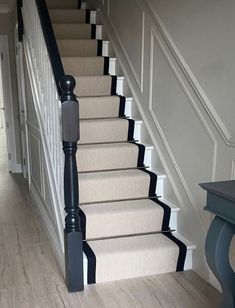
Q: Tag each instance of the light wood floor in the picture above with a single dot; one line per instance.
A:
(30, 276)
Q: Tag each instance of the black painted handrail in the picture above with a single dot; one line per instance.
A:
(51, 43)
(20, 21)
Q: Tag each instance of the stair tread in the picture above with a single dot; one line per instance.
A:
(107, 156)
(132, 244)
(84, 66)
(126, 173)
(78, 47)
(113, 185)
(72, 31)
(67, 16)
(63, 4)
(101, 106)
(134, 256)
(103, 130)
(93, 85)
(122, 218)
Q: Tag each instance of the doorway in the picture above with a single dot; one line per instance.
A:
(7, 124)
(2, 109)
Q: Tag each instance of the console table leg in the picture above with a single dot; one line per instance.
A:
(217, 253)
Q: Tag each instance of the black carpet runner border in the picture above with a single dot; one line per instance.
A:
(122, 106)
(88, 16)
(93, 31)
(106, 65)
(99, 48)
(113, 85)
(79, 4)
(91, 266)
(182, 251)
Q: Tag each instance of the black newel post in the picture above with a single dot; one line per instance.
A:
(72, 232)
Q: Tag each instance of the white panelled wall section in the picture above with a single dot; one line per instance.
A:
(192, 137)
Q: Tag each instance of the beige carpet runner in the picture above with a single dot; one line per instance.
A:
(125, 226)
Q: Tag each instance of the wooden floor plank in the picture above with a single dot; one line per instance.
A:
(30, 276)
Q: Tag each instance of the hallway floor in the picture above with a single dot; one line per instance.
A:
(30, 276)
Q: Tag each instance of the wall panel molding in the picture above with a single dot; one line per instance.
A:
(138, 78)
(156, 38)
(214, 116)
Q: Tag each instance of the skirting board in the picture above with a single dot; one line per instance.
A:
(52, 237)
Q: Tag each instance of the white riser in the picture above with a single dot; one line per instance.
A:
(137, 130)
(83, 6)
(99, 30)
(112, 66)
(148, 155)
(105, 49)
(128, 107)
(160, 184)
(93, 17)
(120, 86)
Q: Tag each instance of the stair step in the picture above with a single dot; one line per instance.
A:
(107, 156)
(113, 185)
(80, 48)
(122, 218)
(130, 257)
(69, 16)
(86, 66)
(62, 4)
(75, 31)
(93, 85)
(101, 107)
(105, 130)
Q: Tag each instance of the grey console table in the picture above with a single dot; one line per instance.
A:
(221, 202)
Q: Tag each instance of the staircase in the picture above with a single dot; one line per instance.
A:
(126, 227)
(129, 229)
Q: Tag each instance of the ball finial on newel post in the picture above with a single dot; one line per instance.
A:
(67, 85)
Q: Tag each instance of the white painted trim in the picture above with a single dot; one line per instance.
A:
(203, 98)
(154, 36)
(53, 238)
(9, 113)
(58, 211)
(4, 9)
(22, 101)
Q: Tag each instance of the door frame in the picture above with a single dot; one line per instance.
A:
(22, 103)
(8, 105)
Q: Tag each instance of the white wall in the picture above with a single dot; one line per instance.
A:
(178, 59)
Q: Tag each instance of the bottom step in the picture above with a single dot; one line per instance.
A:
(130, 257)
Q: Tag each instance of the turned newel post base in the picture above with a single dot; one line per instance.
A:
(217, 254)
(221, 203)
(74, 261)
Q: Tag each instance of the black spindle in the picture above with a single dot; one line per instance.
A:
(72, 232)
